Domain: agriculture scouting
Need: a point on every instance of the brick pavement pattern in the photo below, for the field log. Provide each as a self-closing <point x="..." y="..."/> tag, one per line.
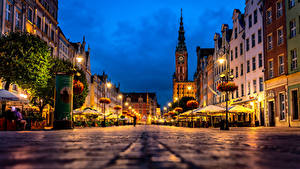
<point x="152" y="147"/>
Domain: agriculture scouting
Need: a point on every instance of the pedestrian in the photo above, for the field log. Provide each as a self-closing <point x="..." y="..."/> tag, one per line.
<point x="134" y="121"/>
<point x="20" y="120"/>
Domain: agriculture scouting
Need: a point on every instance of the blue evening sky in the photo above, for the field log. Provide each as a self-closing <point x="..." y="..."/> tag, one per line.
<point x="134" y="40"/>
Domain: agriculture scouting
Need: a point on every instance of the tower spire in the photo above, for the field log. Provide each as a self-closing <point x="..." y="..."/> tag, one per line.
<point x="181" y="39"/>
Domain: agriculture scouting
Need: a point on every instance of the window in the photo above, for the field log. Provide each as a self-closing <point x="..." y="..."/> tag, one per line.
<point x="279" y="9"/>
<point x="280" y="36"/>
<point x="255" y="16"/>
<point x="236" y="72"/>
<point x="241" y="49"/>
<point x="260" y="60"/>
<point x="242" y="90"/>
<point x="249" y="88"/>
<point x="253" y="40"/>
<point x="29" y="15"/>
<point x="242" y="69"/>
<point x="269" y="16"/>
<point x="248" y="66"/>
<point x="18" y="20"/>
<point x="261" y="84"/>
<point x="231" y="55"/>
<point x="236" y="52"/>
<point x="271" y="69"/>
<point x="52" y="35"/>
<point x="281" y="64"/>
<point x="293" y="28"/>
<point x="247" y="44"/>
<point x="269" y="39"/>
<point x="291" y="3"/>
<point x="237" y="93"/>
<point x="46" y="29"/>
<point x="250" y="21"/>
<point x="8" y="12"/>
<point x="39" y="22"/>
<point x="254" y="86"/>
<point x="295" y="105"/>
<point x="254" y="63"/>
<point x="259" y="36"/>
<point x="294" y="63"/>
<point x="235" y="33"/>
<point x="282" y="106"/>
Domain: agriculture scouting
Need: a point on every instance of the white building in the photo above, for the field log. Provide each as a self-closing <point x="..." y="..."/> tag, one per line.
<point x="254" y="58"/>
<point x="237" y="55"/>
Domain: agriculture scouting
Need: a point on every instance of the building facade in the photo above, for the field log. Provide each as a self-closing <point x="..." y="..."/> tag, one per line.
<point x="237" y="56"/>
<point x="201" y="76"/>
<point x="275" y="61"/>
<point x="254" y="59"/>
<point x="221" y="51"/>
<point x="293" y="53"/>
<point x="181" y="86"/>
<point x="144" y="104"/>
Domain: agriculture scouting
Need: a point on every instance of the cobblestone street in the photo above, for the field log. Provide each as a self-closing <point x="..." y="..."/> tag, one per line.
<point x="151" y="147"/>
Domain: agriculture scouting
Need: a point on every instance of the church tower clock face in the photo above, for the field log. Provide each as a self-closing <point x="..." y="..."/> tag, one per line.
<point x="181" y="59"/>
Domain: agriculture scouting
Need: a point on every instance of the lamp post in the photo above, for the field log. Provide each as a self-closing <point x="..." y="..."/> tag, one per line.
<point x="226" y="77"/>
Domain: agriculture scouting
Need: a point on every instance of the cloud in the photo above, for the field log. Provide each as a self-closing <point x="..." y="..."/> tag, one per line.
<point x="135" y="45"/>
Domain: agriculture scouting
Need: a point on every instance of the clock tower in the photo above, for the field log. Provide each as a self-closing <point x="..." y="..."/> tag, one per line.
<point x="182" y="87"/>
<point x="181" y="56"/>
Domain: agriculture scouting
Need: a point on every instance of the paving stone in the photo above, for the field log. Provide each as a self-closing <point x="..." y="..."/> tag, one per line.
<point x="151" y="147"/>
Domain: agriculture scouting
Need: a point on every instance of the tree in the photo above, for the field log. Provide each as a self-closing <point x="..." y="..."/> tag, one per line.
<point x="45" y="95"/>
<point x="182" y="103"/>
<point x="25" y="61"/>
<point x="78" y="100"/>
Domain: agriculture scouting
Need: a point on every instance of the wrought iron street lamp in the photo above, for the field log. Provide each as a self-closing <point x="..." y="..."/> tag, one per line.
<point x="226" y="77"/>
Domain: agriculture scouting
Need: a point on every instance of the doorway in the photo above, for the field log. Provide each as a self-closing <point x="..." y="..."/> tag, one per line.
<point x="271" y="113"/>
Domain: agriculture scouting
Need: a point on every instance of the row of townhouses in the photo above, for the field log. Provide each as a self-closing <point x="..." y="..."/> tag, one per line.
<point x="261" y="52"/>
<point x="40" y="17"/>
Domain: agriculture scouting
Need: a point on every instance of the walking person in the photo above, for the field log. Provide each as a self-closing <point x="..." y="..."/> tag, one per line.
<point x="134" y="121"/>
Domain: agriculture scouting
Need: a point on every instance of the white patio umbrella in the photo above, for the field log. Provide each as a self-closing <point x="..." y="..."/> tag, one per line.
<point x="211" y="109"/>
<point x="8" y="96"/>
<point x="240" y="109"/>
<point x="187" y="113"/>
